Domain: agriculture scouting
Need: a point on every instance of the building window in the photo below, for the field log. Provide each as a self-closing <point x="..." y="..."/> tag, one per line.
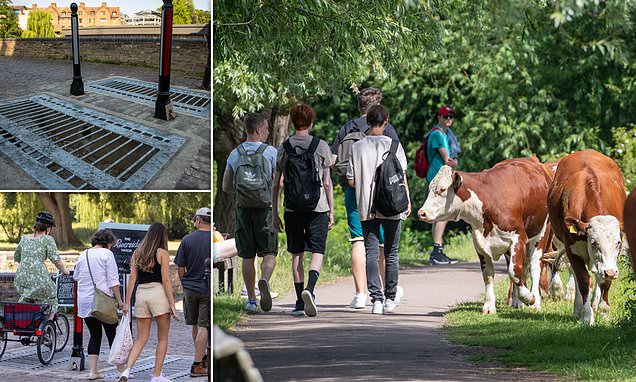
<point x="103" y="13"/>
<point x="103" y="21"/>
<point x="114" y="14"/>
<point x="80" y="13"/>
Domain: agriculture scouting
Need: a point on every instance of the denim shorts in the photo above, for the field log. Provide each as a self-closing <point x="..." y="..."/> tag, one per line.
<point x="353" y="220"/>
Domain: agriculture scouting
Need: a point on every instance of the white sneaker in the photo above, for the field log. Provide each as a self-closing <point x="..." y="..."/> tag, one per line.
<point x="389" y="305"/>
<point x="359" y="301"/>
<point x="398" y="295"/>
<point x="125" y="376"/>
<point x="250" y="306"/>
<point x="160" y="378"/>
<point x="378" y="307"/>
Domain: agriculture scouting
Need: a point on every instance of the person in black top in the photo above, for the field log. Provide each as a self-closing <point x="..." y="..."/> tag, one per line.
<point x="150" y="270"/>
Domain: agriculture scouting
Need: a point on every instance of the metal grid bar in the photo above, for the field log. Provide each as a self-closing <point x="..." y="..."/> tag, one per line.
<point x="185" y="100"/>
<point x="48" y="154"/>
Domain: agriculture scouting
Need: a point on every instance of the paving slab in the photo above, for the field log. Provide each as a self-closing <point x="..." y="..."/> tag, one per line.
<point x="20" y="363"/>
<point x="343" y="344"/>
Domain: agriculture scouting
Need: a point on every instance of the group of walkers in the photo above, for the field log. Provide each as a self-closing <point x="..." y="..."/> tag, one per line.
<point x="149" y="280"/>
<point x="371" y="166"/>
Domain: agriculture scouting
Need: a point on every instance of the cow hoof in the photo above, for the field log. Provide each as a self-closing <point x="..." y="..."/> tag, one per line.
<point x="489" y="309"/>
<point x="603" y="309"/>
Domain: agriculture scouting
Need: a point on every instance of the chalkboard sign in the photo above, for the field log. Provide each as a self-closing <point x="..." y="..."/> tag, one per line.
<point x="129" y="237"/>
<point x="64" y="286"/>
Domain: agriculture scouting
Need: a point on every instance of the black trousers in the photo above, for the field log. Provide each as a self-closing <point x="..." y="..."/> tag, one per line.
<point x="95" y="328"/>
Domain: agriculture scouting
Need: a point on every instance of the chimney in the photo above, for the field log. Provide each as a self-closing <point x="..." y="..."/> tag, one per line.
<point x="34" y="6"/>
<point x="103" y="5"/>
<point x="53" y="5"/>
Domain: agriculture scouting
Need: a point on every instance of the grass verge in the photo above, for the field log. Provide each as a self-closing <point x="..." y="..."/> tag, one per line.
<point x="551" y="340"/>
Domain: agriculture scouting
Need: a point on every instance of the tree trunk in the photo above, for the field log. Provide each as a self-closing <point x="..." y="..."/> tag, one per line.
<point x="228" y="133"/>
<point x="57" y="203"/>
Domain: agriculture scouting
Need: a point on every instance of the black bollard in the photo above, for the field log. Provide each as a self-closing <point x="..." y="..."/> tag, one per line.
<point x="77" y="356"/>
<point x="77" y="87"/>
<point x="163" y="105"/>
<point x="207" y="271"/>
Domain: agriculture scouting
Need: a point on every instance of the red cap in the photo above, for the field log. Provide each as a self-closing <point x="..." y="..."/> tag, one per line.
<point x="445" y="110"/>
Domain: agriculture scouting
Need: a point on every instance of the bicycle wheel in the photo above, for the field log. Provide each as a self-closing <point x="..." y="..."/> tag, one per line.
<point x="62" y="329"/>
<point x="46" y="343"/>
<point x="3" y="342"/>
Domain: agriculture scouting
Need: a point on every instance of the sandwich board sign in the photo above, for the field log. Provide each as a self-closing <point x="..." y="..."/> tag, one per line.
<point x="129" y="237"/>
<point x="65" y="289"/>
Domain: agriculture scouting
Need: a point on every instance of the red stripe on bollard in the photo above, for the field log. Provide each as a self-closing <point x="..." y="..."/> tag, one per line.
<point x="77" y="321"/>
<point x="167" y="32"/>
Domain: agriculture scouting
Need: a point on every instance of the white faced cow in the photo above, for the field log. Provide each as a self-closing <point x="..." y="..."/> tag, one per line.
<point x="506" y="209"/>
<point x="586" y="203"/>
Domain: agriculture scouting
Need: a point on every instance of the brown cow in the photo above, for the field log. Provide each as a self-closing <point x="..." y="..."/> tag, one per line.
<point x="586" y="202"/>
<point x="630" y="225"/>
<point x="506" y="209"/>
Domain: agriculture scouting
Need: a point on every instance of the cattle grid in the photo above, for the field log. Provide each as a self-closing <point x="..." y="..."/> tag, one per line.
<point x="186" y="100"/>
<point x="63" y="145"/>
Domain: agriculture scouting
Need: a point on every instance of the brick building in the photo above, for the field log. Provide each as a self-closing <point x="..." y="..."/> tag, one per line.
<point x="86" y="16"/>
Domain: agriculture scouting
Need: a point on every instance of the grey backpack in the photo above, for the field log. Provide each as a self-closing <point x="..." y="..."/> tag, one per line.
<point x="252" y="179"/>
<point x="344" y="149"/>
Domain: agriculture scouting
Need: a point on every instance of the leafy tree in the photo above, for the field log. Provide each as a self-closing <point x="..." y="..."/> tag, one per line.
<point x="201" y="16"/>
<point x="57" y="203"/>
<point x="17" y="213"/>
<point x="268" y="55"/>
<point x="39" y="25"/>
<point x="183" y="11"/>
<point x="8" y="21"/>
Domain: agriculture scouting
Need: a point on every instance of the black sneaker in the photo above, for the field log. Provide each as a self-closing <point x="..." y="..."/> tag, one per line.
<point x="450" y="261"/>
<point x="310" y="303"/>
<point x="299" y="308"/>
<point x="437" y="257"/>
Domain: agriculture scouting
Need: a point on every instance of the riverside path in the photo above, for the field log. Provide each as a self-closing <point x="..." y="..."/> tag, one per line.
<point x="343" y="344"/>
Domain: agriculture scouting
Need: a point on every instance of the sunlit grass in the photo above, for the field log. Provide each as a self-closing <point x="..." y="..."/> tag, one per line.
<point x="552" y="340"/>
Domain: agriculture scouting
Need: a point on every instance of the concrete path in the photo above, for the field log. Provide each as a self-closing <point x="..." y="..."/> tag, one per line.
<point x="343" y="344"/>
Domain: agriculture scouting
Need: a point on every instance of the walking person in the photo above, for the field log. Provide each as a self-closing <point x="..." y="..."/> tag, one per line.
<point x="366" y="156"/>
<point x="150" y="271"/>
<point x="248" y="174"/>
<point x="442" y="149"/>
<point x="96" y="266"/>
<point x="350" y="133"/>
<point x="190" y="260"/>
<point x="32" y="279"/>
<point x="305" y="161"/>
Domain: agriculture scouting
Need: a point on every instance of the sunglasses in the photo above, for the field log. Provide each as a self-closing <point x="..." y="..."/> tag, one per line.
<point x="448" y="116"/>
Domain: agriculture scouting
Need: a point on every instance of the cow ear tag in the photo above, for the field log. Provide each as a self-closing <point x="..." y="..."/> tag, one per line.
<point x="573" y="230"/>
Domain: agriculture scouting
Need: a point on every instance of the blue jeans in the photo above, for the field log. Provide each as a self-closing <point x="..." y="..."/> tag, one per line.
<point x="371" y="229"/>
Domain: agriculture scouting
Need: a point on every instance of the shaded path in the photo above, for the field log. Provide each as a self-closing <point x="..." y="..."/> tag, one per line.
<point x="342" y="344"/>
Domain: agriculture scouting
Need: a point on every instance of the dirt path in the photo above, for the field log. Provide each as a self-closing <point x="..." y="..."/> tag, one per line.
<point x="342" y="344"/>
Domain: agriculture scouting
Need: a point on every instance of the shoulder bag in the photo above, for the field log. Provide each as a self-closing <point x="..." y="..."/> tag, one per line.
<point x="104" y="306"/>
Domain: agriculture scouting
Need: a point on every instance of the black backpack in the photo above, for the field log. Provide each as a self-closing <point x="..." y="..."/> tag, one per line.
<point x="390" y="196"/>
<point x="302" y="180"/>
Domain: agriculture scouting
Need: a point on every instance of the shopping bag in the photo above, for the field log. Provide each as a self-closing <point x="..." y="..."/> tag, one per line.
<point x="122" y="343"/>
